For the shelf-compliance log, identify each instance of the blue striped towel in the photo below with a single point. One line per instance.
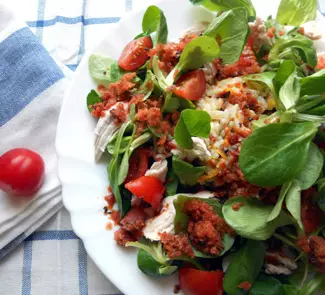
(31, 91)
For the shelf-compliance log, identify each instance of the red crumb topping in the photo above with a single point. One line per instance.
(236, 206)
(115, 217)
(169, 53)
(119, 113)
(247, 64)
(122, 237)
(134, 220)
(245, 285)
(131, 226)
(317, 256)
(109, 226)
(303, 244)
(321, 62)
(271, 32)
(110, 199)
(311, 214)
(176, 245)
(118, 91)
(205, 228)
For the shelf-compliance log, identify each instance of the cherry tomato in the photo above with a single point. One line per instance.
(191, 85)
(135, 54)
(138, 165)
(21, 172)
(148, 188)
(198, 282)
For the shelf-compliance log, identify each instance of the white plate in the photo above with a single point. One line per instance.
(85, 182)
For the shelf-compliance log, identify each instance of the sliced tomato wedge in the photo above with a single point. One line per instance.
(135, 54)
(138, 164)
(148, 188)
(191, 85)
(198, 282)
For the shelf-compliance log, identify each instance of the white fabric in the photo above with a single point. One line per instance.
(34, 127)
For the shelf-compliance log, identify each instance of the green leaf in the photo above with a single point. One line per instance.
(245, 267)
(267, 285)
(299, 45)
(159, 74)
(231, 29)
(171, 103)
(152, 260)
(276, 153)
(192, 123)
(317, 283)
(149, 266)
(124, 145)
(321, 194)
(104, 69)
(293, 202)
(148, 85)
(224, 5)
(250, 221)
(124, 167)
(311, 171)
(195, 54)
(296, 12)
(278, 206)
(113, 172)
(92, 98)
(254, 81)
(311, 105)
(154, 20)
(314, 84)
(286, 84)
(290, 290)
(171, 183)
(186, 172)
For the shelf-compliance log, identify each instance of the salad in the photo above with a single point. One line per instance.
(216, 145)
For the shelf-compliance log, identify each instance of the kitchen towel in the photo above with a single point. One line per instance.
(32, 85)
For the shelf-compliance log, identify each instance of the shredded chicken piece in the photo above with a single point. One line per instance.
(158, 169)
(210, 72)
(279, 265)
(104, 131)
(259, 33)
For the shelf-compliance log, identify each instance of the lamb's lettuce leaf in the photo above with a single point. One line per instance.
(231, 28)
(296, 12)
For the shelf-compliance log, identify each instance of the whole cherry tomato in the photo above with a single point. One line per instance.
(21, 172)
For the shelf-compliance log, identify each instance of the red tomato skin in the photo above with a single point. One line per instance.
(191, 85)
(135, 54)
(250, 41)
(148, 188)
(21, 172)
(138, 164)
(198, 282)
